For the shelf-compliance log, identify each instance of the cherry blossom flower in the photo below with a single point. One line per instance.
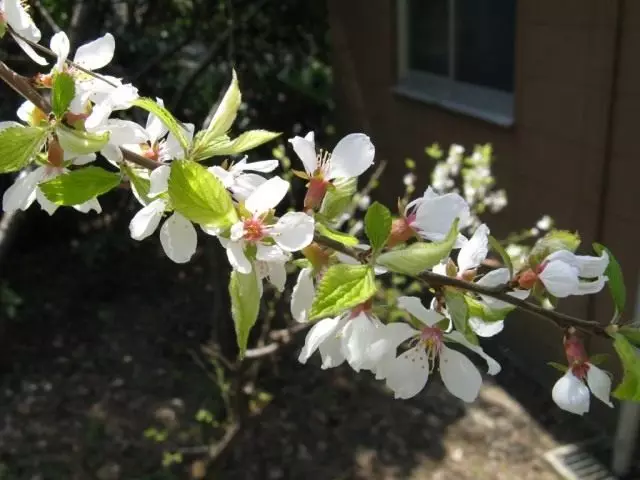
(570, 392)
(242, 184)
(431, 217)
(563, 273)
(291, 232)
(14, 14)
(407, 373)
(351, 157)
(90, 56)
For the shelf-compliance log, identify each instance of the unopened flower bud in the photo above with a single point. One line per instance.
(527, 279)
(401, 231)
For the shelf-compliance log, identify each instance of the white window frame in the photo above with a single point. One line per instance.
(485, 103)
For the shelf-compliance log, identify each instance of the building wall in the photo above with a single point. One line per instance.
(571, 152)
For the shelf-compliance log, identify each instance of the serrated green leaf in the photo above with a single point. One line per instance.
(616, 279)
(558, 366)
(227, 110)
(79, 186)
(343, 238)
(18, 145)
(496, 247)
(418, 257)
(338, 198)
(552, 242)
(199, 195)
(242, 143)
(632, 334)
(629, 387)
(80, 142)
(62, 92)
(459, 313)
(342, 287)
(140, 185)
(166, 118)
(377, 225)
(244, 290)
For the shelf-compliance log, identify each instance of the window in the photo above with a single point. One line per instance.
(459, 54)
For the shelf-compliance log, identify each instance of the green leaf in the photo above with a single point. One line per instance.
(18, 145)
(459, 313)
(62, 92)
(629, 387)
(558, 366)
(3, 29)
(165, 117)
(139, 184)
(227, 110)
(377, 225)
(338, 198)
(496, 247)
(418, 257)
(632, 334)
(342, 286)
(343, 238)
(80, 142)
(552, 242)
(616, 280)
(481, 310)
(244, 291)
(79, 186)
(199, 195)
(225, 146)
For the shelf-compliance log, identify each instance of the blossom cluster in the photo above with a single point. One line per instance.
(58, 145)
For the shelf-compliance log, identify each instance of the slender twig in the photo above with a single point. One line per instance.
(47, 16)
(22, 86)
(279, 338)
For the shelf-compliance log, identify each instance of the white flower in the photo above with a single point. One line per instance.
(432, 215)
(407, 374)
(302, 295)
(346, 337)
(571, 394)
(108, 101)
(351, 157)
(562, 273)
(243, 184)
(14, 14)
(545, 223)
(178, 236)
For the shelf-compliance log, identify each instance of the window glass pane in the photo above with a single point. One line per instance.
(485, 38)
(428, 36)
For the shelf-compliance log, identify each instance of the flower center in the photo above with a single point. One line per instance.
(580, 369)
(253, 230)
(431, 338)
(152, 152)
(323, 160)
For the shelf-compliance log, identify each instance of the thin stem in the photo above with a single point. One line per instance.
(499, 292)
(53, 54)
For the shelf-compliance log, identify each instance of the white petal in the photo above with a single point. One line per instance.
(237, 258)
(84, 159)
(223, 175)
(352, 156)
(493, 367)
(331, 352)
(302, 295)
(599, 384)
(16, 15)
(407, 375)
(154, 127)
(357, 336)
(179, 238)
(473, 253)
(414, 306)
(306, 151)
(560, 279)
(172, 147)
(22, 193)
(10, 124)
(159, 180)
(125, 132)
(591, 267)
(99, 115)
(112, 153)
(236, 232)
(293, 231)
(277, 275)
(389, 337)
(436, 213)
(25, 112)
(459, 374)
(485, 329)
(28, 49)
(571, 394)
(145, 222)
(245, 184)
(96, 54)
(319, 333)
(46, 204)
(267, 196)
(588, 288)
(264, 166)
(271, 253)
(60, 45)
(87, 206)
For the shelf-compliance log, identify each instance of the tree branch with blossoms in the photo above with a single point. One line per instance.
(68, 119)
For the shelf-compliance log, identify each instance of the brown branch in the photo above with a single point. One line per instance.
(22, 86)
(47, 16)
(279, 338)
(435, 280)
